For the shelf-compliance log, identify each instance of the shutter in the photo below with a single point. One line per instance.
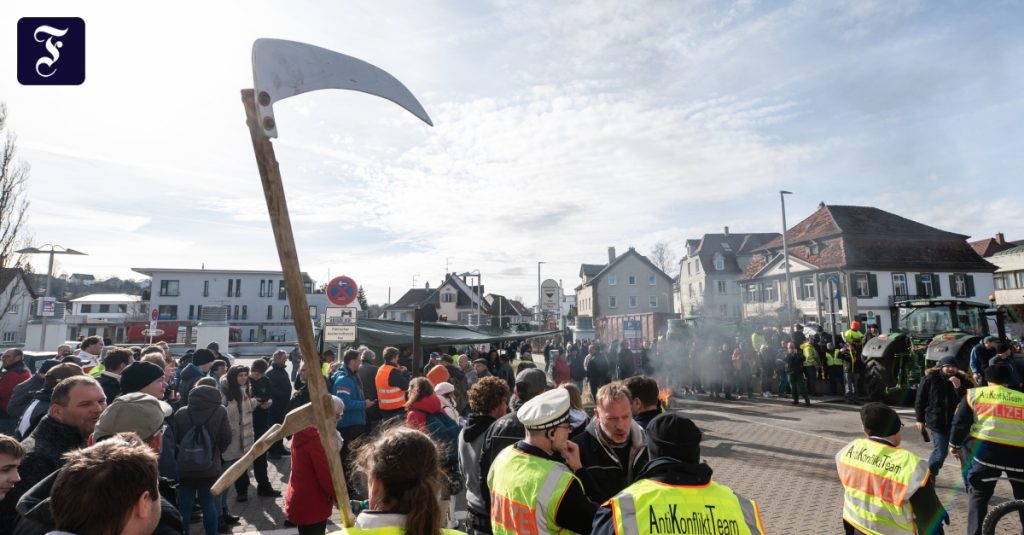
(873, 284)
(936, 285)
(952, 285)
(970, 285)
(920, 284)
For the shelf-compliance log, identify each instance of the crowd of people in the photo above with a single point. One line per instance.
(506, 428)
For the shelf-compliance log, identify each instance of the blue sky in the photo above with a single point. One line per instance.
(562, 128)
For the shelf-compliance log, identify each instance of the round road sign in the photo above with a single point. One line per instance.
(154, 314)
(342, 291)
(152, 332)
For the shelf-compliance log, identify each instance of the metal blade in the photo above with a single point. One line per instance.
(282, 69)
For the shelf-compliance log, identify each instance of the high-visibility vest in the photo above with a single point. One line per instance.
(852, 337)
(648, 507)
(391, 530)
(879, 480)
(998, 415)
(525, 493)
(811, 359)
(832, 358)
(389, 398)
(757, 340)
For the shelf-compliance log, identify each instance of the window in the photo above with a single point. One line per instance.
(865, 285)
(652, 280)
(719, 262)
(168, 288)
(238, 287)
(814, 248)
(191, 312)
(263, 288)
(770, 293)
(199, 312)
(270, 288)
(86, 309)
(806, 288)
(105, 308)
(899, 284)
(231, 287)
(612, 280)
(612, 301)
(721, 287)
(927, 286)
(723, 310)
(287, 312)
(281, 294)
(13, 308)
(632, 280)
(752, 293)
(998, 280)
(236, 313)
(245, 312)
(448, 297)
(653, 301)
(688, 269)
(961, 285)
(689, 289)
(206, 288)
(123, 309)
(632, 301)
(696, 266)
(168, 312)
(9, 336)
(270, 312)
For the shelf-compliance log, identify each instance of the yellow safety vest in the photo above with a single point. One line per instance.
(998, 415)
(525, 493)
(832, 358)
(389, 530)
(757, 340)
(879, 480)
(650, 508)
(811, 359)
(389, 398)
(853, 337)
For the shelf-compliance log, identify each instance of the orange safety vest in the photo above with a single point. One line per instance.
(389, 398)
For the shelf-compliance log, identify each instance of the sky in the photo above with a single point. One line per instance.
(561, 129)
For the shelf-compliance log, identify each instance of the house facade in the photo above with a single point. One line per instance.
(708, 273)
(462, 303)
(1009, 277)
(853, 262)
(16, 297)
(629, 285)
(103, 315)
(405, 307)
(255, 302)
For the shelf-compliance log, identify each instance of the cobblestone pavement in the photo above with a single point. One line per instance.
(781, 455)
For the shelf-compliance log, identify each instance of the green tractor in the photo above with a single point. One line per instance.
(929, 329)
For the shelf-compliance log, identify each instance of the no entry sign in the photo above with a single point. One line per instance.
(342, 290)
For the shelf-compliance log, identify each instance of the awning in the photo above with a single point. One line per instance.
(379, 333)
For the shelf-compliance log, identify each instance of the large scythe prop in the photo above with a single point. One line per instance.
(282, 69)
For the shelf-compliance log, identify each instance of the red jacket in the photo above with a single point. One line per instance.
(309, 498)
(418, 420)
(562, 374)
(15, 375)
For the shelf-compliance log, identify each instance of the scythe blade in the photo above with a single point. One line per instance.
(282, 69)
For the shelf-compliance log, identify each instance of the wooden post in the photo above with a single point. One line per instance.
(417, 349)
(277, 206)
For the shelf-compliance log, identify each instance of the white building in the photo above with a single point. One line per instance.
(708, 272)
(15, 306)
(255, 301)
(103, 315)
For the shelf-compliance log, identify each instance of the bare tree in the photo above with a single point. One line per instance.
(13, 206)
(663, 257)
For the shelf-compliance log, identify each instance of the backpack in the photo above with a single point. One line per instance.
(445, 432)
(195, 453)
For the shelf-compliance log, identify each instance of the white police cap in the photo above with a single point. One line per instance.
(546, 410)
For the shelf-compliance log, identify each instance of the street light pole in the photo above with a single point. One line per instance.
(785, 259)
(540, 314)
(49, 275)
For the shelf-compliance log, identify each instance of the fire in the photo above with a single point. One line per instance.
(665, 395)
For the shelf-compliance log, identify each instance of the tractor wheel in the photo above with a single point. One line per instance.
(880, 374)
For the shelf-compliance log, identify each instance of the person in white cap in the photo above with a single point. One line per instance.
(535, 484)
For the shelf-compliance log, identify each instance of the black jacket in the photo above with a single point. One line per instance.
(189, 376)
(368, 378)
(21, 396)
(204, 408)
(35, 414)
(280, 392)
(645, 417)
(937, 399)
(608, 475)
(111, 386)
(626, 367)
(37, 519)
(576, 369)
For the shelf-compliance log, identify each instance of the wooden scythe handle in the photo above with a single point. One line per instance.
(277, 206)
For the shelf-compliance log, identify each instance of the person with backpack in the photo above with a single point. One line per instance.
(203, 432)
(423, 411)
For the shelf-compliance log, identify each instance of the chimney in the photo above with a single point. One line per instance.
(611, 255)
(821, 205)
(1000, 239)
(427, 285)
(727, 231)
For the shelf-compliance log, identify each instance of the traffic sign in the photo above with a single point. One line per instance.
(154, 314)
(549, 297)
(342, 290)
(340, 324)
(152, 332)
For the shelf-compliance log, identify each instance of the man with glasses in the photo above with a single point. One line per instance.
(537, 481)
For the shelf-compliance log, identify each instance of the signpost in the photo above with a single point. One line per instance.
(631, 329)
(340, 324)
(151, 333)
(152, 330)
(549, 297)
(342, 291)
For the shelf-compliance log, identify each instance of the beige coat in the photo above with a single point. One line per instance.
(242, 434)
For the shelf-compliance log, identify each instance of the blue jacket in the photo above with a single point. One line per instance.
(347, 388)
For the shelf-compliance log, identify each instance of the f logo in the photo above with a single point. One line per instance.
(51, 51)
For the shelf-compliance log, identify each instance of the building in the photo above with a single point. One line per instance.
(255, 302)
(854, 262)
(628, 288)
(103, 315)
(989, 246)
(403, 309)
(16, 297)
(459, 302)
(506, 311)
(84, 279)
(706, 286)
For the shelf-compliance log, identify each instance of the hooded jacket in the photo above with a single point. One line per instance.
(504, 432)
(280, 392)
(33, 413)
(204, 408)
(607, 474)
(309, 497)
(242, 430)
(416, 415)
(349, 389)
(14, 375)
(937, 399)
(471, 443)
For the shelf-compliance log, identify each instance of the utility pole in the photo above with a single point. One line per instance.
(540, 314)
(785, 258)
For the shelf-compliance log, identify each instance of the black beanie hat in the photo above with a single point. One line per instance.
(203, 356)
(672, 435)
(880, 420)
(138, 375)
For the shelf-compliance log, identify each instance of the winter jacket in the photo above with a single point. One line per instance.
(309, 497)
(280, 392)
(35, 411)
(189, 376)
(461, 384)
(471, 442)
(111, 385)
(347, 387)
(15, 374)
(261, 392)
(645, 417)
(937, 399)
(562, 373)
(204, 408)
(626, 365)
(37, 519)
(416, 414)
(794, 363)
(368, 378)
(242, 431)
(607, 473)
(597, 368)
(21, 396)
(576, 369)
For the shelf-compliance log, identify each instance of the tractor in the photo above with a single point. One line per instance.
(929, 329)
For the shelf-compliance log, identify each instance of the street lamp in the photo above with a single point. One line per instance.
(785, 259)
(540, 314)
(479, 292)
(53, 250)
